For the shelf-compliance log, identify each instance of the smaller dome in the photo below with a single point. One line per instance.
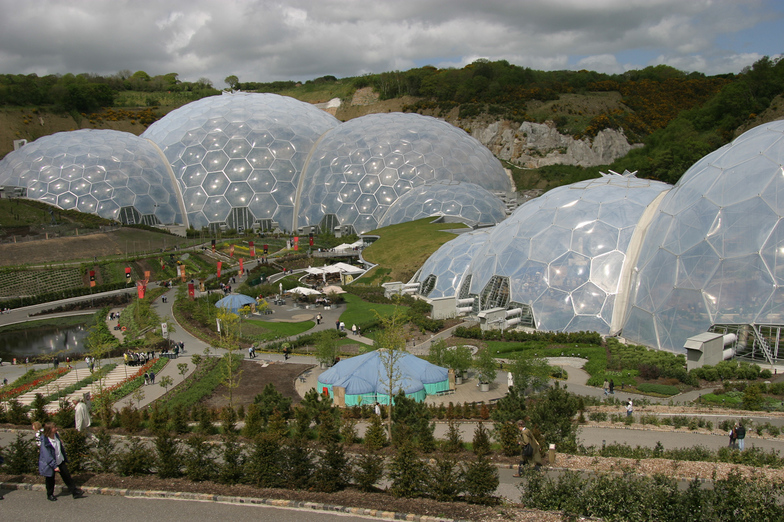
(464, 201)
(113, 174)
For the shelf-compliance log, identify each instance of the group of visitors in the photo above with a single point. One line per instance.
(609, 387)
(149, 377)
(251, 352)
(90, 362)
(136, 358)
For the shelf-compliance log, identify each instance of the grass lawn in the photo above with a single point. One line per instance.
(361, 312)
(268, 331)
(402, 249)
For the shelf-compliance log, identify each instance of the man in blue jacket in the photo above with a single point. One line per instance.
(53, 459)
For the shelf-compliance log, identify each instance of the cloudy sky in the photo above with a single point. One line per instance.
(265, 40)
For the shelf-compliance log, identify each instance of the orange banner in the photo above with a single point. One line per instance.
(241, 266)
(220, 263)
(252, 249)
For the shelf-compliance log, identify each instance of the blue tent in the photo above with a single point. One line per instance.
(234, 302)
(366, 381)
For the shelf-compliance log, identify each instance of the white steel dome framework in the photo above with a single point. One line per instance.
(654, 263)
(264, 161)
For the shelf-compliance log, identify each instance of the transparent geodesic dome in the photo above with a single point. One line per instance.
(360, 168)
(443, 273)
(238, 157)
(714, 254)
(562, 254)
(116, 175)
(465, 201)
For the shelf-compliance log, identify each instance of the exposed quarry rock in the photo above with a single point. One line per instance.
(533, 145)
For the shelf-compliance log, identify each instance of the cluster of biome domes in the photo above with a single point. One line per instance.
(619, 255)
(265, 161)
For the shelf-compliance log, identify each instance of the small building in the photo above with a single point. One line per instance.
(365, 380)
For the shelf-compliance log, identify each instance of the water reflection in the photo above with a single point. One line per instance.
(42, 341)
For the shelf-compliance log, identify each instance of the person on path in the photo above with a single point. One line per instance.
(152, 377)
(733, 437)
(354, 329)
(81, 415)
(342, 326)
(377, 409)
(318, 318)
(529, 449)
(337, 325)
(146, 378)
(52, 459)
(606, 387)
(250, 352)
(740, 431)
(612, 387)
(629, 408)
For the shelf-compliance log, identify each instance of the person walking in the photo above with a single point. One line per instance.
(606, 387)
(81, 415)
(52, 459)
(612, 387)
(354, 329)
(529, 449)
(318, 318)
(629, 408)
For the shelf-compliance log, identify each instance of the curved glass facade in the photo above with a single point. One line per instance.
(359, 169)
(443, 274)
(469, 202)
(238, 157)
(561, 254)
(714, 254)
(113, 174)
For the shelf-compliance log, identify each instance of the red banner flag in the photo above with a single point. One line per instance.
(127, 273)
(92, 278)
(310, 240)
(220, 263)
(241, 267)
(141, 286)
(182, 272)
(213, 245)
(191, 290)
(252, 249)
(147, 275)
(296, 242)
(231, 251)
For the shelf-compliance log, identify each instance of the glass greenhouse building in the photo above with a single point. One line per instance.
(267, 162)
(624, 256)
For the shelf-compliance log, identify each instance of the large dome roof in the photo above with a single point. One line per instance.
(360, 168)
(714, 254)
(113, 174)
(238, 157)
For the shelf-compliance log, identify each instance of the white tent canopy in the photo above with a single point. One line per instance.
(304, 291)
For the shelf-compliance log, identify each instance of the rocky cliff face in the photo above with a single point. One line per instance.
(532, 145)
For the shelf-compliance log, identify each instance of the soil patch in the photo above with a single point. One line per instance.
(255, 376)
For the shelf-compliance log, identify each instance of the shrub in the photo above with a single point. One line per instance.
(199, 459)
(169, 455)
(481, 442)
(21, 456)
(597, 416)
(136, 460)
(104, 453)
(367, 470)
(77, 447)
(406, 472)
(232, 464)
(444, 480)
(480, 481)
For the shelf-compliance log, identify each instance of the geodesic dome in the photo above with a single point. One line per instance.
(238, 157)
(562, 254)
(443, 273)
(714, 253)
(467, 202)
(113, 174)
(359, 169)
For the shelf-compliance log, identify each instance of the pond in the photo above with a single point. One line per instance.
(42, 341)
